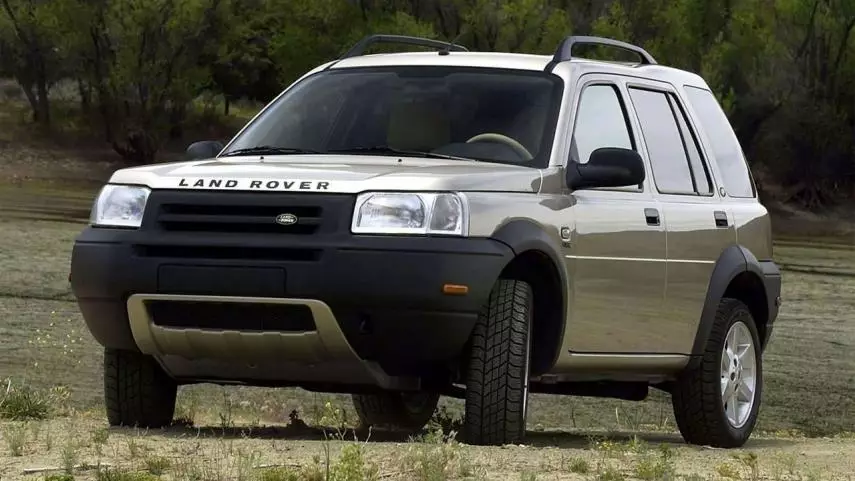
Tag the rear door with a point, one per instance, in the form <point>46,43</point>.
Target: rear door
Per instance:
<point>698,226</point>
<point>617,253</point>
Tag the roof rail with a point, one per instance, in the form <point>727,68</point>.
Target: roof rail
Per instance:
<point>370,40</point>
<point>565,49</point>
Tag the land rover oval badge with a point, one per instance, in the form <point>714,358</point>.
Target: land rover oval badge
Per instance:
<point>286,219</point>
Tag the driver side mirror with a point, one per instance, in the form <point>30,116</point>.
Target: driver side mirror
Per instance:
<point>204,149</point>
<point>607,167</point>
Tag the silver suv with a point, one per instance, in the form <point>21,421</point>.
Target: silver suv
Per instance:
<point>478,225</point>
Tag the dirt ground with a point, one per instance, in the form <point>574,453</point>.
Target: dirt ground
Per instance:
<point>237,453</point>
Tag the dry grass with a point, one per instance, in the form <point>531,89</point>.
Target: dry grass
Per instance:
<point>273,435</point>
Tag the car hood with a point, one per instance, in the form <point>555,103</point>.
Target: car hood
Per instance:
<point>333,173</point>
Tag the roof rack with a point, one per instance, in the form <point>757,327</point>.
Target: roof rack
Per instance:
<point>370,40</point>
<point>565,49</point>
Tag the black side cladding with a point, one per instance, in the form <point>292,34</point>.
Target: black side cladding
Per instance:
<point>733,261</point>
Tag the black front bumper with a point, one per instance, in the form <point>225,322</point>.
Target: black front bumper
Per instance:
<point>385,291</point>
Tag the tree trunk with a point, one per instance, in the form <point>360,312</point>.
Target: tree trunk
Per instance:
<point>44,101</point>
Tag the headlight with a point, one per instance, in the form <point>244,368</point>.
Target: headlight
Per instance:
<point>406,213</point>
<point>119,206</point>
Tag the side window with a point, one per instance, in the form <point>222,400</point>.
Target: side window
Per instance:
<point>703,184</point>
<point>600,122</point>
<point>736,178</point>
<point>668,156</point>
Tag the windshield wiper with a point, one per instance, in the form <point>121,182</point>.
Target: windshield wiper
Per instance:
<point>386,150</point>
<point>269,150</point>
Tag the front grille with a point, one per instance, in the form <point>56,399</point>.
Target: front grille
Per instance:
<point>218,212</point>
<point>231,316</point>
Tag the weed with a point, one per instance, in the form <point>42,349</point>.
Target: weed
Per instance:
<point>636,445</point>
<point>187,408</point>
<point>16,438</point>
<point>135,447</point>
<point>227,412</point>
<point>656,467</point>
<point>23,403</point>
<point>111,474</point>
<point>280,474</point>
<point>157,465</point>
<point>335,417</point>
<point>99,439</point>
<point>727,470</point>
<point>752,463</point>
<point>694,477</point>
<point>446,420</point>
<point>785,465</point>
<point>352,466</point>
<point>244,464</point>
<point>59,477</point>
<point>528,476</point>
<point>609,473</point>
<point>578,466</point>
<point>48,440</point>
<point>70,455</point>
<point>438,459</point>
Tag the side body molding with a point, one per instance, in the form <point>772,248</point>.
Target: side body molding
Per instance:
<point>524,236</point>
<point>733,261</point>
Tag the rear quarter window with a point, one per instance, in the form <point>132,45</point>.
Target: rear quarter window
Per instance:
<point>726,151</point>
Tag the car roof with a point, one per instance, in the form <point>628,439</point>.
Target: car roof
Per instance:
<point>519,61</point>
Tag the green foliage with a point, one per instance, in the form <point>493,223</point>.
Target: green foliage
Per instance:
<point>784,70</point>
<point>59,477</point>
<point>578,466</point>
<point>21,403</point>
<point>111,474</point>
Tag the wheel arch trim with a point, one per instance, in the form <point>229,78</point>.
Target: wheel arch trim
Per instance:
<point>525,236</point>
<point>734,261</point>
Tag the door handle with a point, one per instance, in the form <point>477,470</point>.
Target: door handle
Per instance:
<point>720,218</point>
<point>652,216</point>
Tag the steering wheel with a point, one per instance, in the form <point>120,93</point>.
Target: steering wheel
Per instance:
<point>503,139</point>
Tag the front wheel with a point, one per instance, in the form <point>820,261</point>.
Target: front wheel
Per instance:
<point>498,369</point>
<point>717,403</point>
<point>398,411</point>
<point>136,390</point>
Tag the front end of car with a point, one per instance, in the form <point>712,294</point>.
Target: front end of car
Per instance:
<point>375,288</point>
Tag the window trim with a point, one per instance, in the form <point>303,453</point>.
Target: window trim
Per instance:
<point>670,94</point>
<point>697,119</point>
<point>577,100</point>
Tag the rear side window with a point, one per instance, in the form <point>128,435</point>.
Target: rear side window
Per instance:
<point>666,143</point>
<point>726,150</point>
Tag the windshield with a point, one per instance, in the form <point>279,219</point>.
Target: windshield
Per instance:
<point>482,114</point>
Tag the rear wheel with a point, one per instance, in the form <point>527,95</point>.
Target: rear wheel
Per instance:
<point>498,370</point>
<point>717,403</point>
<point>136,390</point>
<point>397,411</point>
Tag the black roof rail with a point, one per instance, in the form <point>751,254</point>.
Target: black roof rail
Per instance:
<point>565,49</point>
<point>370,40</point>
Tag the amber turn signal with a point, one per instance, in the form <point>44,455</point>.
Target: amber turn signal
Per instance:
<point>455,289</point>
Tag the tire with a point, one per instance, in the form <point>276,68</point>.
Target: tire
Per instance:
<point>497,372</point>
<point>398,411</point>
<point>136,390</point>
<point>703,414</point>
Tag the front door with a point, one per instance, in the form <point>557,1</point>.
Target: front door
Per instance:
<point>617,250</point>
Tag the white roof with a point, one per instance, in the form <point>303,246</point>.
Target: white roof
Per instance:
<point>456,59</point>
<point>517,61</point>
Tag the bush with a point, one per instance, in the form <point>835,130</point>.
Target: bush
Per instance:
<point>23,403</point>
